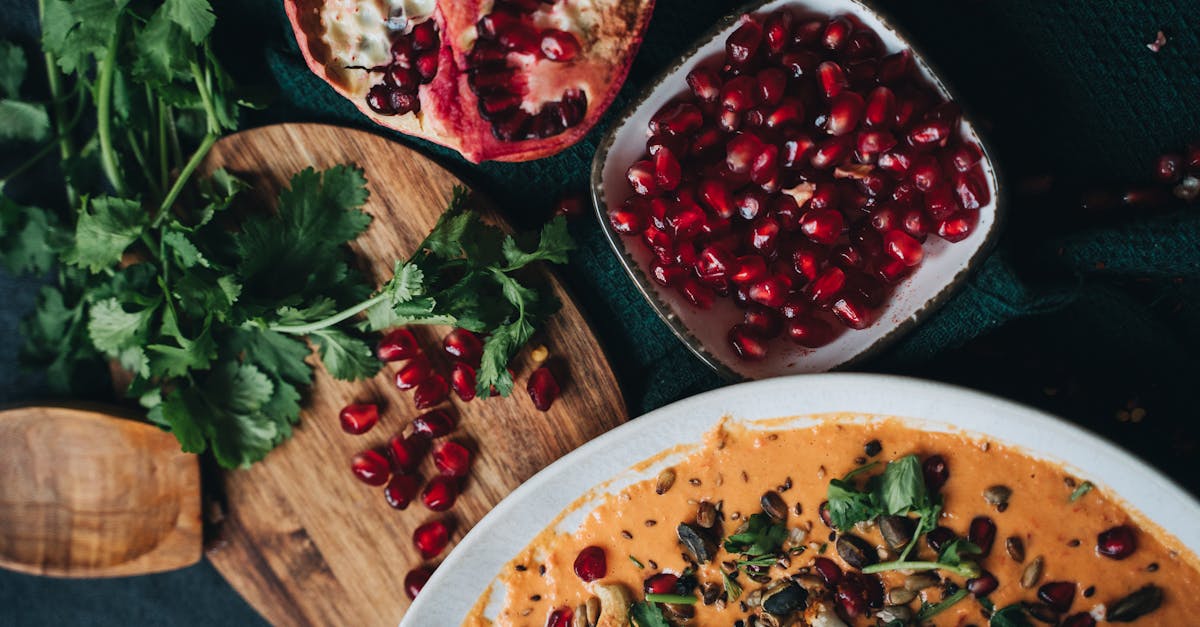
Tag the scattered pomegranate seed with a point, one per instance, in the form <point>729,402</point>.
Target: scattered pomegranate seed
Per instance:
<point>662,583</point>
<point>431,392</point>
<point>983,585</point>
<point>1168,168</point>
<point>1058,595</point>
<point>852,311</point>
<point>743,43</point>
<point>560,617</point>
<point>936,472</point>
<point>982,533</point>
<point>542,388</point>
<point>400,491</point>
<point>406,452</point>
<point>1118,542</point>
<point>747,343</point>
<point>464,346</point>
<point>903,247</point>
<point>358,418</point>
<point>705,84</point>
<point>570,206</point>
<point>371,467</point>
<point>415,580</point>
<point>414,373</point>
<point>591,564</point>
<point>558,45</point>
<point>434,424</point>
<point>431,538</point>
<point>463,380</point>
<point>397,345</point>
<point>452,459</point>
<point>939,538</point>
<point>852,597</point>
<point>440,493</point>
<point>829,571</point>
<point>810,332</point>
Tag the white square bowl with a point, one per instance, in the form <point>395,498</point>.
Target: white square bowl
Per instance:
<point>945,268</point>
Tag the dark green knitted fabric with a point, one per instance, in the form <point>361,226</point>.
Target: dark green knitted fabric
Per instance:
<point>1086,318</point>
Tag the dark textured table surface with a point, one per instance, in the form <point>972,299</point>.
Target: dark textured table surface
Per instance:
<point>1086,317</point>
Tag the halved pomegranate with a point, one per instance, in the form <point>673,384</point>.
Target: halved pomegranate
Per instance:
<point>504,80</point>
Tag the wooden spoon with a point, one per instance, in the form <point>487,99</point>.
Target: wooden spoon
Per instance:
<point>85,493</point>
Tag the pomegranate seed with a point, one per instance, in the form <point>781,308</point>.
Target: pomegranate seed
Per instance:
<point>957,227</point>
<point>777,31</point>
<point>827,285</point>
<point>896,161</point>
<point>1192,158</point>
<point>789,111</point>
<point>750,203</point>
<point>939,538</point>
<point>431,538</point>
<point>463,380</point>
<point>641,178</point>
<point>743,43</point>
<point>717,197</point>
<point>848,256</point>
<point>560,617</point>
<point>852,598</point>
<point>713,263</point>
<point>433,391</point>
<point>793,307</point>
<point>925,173</point>
<point>591,564</point>
<point>903,248</point>
<point>831,152</point>
<point>870,144</point>
<point>543,388</point>
<point>400,491</point>
<point>696,293</point>
<point>837,32</point>
<point>964,156</point>
<point>765,322</point>
<point>729,121</point>
<point>832,78</point>
<point>822,226</point>
<point>666,170</point>
<point>930,132</point>
<point>983,585</point>
<point>627,221</point>
<point>764,234</point>
<point>680,119</point>
<point>810,332</point>
<point>452,459</point>
<point>358,418</point>
<point>1082,619</point>
<point>772,82</point>
<point>434,424</point>
<point>917,224</point>
<point>397,345</point>
<point>705,84</point>
<point>885,217</point>
<point>806,261</point>
<point>414,373</point>
<point>982,533</point>
<point>800,63</point>
<point>746,343</point>
<point>749,269</point>
<point>740,94</point>
<point>415,580</point>
<point>569,206</point>
<point>936,472</point>
<point>440,493</point>
<point>741,151</point>
<point>829,571</point>
<point>1058,595</point>
<point>666,274</point>
<point>852,312</point>
<point>940,203</point>
<point>1118,542</point>
<point>406,452</point>
<point>371,467</point>
<point>972,190</point>
<point>463,345</point>
<point>662,583</point>
<point>770,292</point>
<point>559,45</point>
<point>705,140</point>
<point>765,168</point>
<point>863,44</point>
<point>895,68</point>
<point>845,112</point>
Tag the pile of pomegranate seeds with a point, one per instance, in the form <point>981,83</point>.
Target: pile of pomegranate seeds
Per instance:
<point>800,176</point>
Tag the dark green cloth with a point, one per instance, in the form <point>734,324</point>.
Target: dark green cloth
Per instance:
<point>1084,316</point>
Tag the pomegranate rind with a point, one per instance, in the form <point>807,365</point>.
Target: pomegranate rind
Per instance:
<point>449,113</point>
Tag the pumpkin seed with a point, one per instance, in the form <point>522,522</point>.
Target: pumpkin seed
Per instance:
<point>580,619</point>
<point>784,598</point>
<point>706,515</point>
<point>895,613</point>
<point>1141,602</point>
<point>919,581</point>
<point>896,530</point>
<point>709,592</point>
<point>696,541</point>
<point>665,480</point>
<point>856,551</point>
<point>593,610</point>
<point>1032,573</point>
<point>773,505</point>
<point>1016,548</point>
<point>680,611</point>
<point>900,596</point>
<point>997,495</point>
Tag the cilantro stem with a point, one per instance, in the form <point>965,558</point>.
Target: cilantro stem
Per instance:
<point>66,148</point>
<point>104,114</point>
<point>913,542</point>
<point>933,610</point>
<point>305,329</point>
<point>671,598</point>
<point>163,170</point>
<point>194,162</point>
<point>965,569</point>
<point>202,86</point>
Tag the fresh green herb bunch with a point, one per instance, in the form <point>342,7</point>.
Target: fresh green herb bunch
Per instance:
<point>210,309</point>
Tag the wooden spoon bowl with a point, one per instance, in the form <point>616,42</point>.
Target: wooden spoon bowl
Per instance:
<point>84,493</point>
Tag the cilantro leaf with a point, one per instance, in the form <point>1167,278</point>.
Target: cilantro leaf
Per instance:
<point>176,414</point>
<point>553,246</point>
<point>28,238</point>
<point>733,589</point>
<point>958,551</point>
<point>1010,616</point>
<point>74,30</point>
<point>195,17</point>
<point>902,486</point>
<point>114,329</point>
<point>12,69</point>
<point>106,226</point>
<point>848,505</point>
<point>346,357</point>
<point>23,121</point>
<point>761,536</point>
<point>646,614</point>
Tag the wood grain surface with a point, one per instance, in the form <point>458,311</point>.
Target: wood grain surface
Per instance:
<point>87,494</point>
<point>303,540</point>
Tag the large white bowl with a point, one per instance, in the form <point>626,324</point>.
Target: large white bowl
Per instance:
<point>945,267</point>
<point>507,529</point>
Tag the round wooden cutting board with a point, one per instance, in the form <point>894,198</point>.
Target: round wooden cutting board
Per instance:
<point>303,540</point>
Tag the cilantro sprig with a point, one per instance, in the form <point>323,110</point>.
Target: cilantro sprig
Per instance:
<point>211,312</point>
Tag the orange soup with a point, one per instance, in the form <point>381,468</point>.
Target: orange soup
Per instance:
<point>852,523</point>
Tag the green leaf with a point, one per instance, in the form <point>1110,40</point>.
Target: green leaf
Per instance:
<point>113,329</point>
<point>12,69</point>
<point>185,252</point>
<point>23,121</point>
<point>161,51</point>
<point>1010,616</point>
<point>179,416</point>
<point>902,486</point>
<point>239,431</point>
<point>275,353</point>
<point>958,551</point>
<point>201,295</point>
<point>105,228</point>
<point>848,505</point>
<point>29,238</point>
<point>1079,491</point>
<point>75,30</point>
<point>761,536</point>
<point>194,16</point>
<point>553,246</point>
<point>733,589</point>
<point>345,357</point>
<point>647,614</point>
<point>928,610</point>
<point>499,349</point>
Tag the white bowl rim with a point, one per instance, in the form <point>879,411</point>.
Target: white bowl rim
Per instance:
<point>476,561</point>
